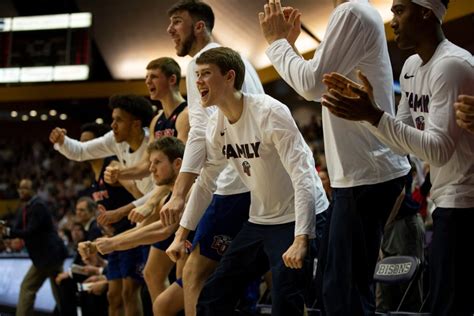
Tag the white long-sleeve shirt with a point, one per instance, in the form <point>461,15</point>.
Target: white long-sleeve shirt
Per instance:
<point>270,156</point>
<point>106,146</point>
<point>355,39</point>
<point>426,124</point>
<point>195,153</point>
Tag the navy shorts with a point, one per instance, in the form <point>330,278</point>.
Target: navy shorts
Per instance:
<point>221,222</point>
<point>128,263</point>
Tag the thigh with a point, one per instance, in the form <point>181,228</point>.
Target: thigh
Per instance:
<point>288,284</point>
<point>171,301</point>
<point>198,266</point>
<point>34,279</point>
<point>158,264</point>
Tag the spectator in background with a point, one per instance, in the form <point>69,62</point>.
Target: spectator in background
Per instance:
<point>45,247</point>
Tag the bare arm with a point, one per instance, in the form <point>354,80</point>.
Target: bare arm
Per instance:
<point>171,211</point>
<point>182,126</point>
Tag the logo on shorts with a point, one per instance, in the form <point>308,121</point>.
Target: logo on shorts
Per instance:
<point>246,166</point>
<point>221,243</point>
<point>420,123</point>
<point>188,246</point>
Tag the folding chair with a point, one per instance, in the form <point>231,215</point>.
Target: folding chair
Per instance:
<point>399,270</point>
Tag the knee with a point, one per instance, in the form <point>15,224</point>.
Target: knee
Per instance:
<point>130,292</point>
<point>160,306</point>
<point>193,274</point>
<point>114,298</point>
<point>148,275</point>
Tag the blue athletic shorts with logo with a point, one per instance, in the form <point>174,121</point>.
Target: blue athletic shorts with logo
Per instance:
<point>221,222</point>
<point>127,263</point>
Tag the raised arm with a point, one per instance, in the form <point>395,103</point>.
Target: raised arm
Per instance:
<point>72,149</point>
<point>341,49</point>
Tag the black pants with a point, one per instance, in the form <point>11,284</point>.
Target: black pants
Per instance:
<point>451,274</point>
<point>255,249</point>
<point>356,221</point>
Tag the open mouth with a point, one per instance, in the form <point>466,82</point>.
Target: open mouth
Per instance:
<point>204,92</point>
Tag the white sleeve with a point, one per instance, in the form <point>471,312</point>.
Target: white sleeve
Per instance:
<point>437,143</point>
<point>297,160</point>
<point>81,151</point>
<point>341,50</point>
<point>201,194</point>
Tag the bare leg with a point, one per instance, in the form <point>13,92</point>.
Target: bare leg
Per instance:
<point>131,297</point>
<point>114,296</point>
<point>195,273</point>
<point>170,302</point>
<point>157,269</point>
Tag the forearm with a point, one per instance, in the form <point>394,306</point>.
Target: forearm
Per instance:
<point>199,200</point>
<point>183,184</point>
<point>145,235</point>
<point>131,187</point>
<point>434,148</point>
<point>136,172</point>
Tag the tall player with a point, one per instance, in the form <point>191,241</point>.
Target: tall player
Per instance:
<point>425,126</point>
<point>365,174</point>
<point>191,24</point>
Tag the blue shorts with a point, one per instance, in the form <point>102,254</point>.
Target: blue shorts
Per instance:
<point>164,244</point>
<point>128,263</point>
<point>221,222</point>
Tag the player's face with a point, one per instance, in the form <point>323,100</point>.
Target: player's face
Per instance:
<point>86,136</point>
<point>122,124</point>
<point>162,168</point>
<point>82,213</point>
<point>181,29</point>
<point>405,23</point>
<point>157,84</point>
<point>210,83</point>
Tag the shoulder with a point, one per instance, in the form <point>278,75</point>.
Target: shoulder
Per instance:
<point>183,115</point>
<point>265,106</point>
<point>453,63</point>
<point>363,11</point>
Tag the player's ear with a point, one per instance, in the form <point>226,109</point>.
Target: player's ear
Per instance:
<point>230,76</point>
<point>177,164</point>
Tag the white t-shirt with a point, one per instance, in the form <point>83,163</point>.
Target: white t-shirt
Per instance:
<point>270,156</point>
<point>106,146</point>
<point>426,124</point>
<point>355,39</point>
<point>194,153</point>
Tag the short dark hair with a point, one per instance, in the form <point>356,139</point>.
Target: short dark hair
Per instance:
<point>91,204</point>
<point>198,10</point>
<point>226,59</point>
<point>168,66</point>
<point>172,147</point>
<point>97,129</point>
<point>137,106</point>
<point>35,183</point>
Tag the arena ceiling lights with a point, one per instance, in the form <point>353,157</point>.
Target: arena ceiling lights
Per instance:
<point>45,73</point>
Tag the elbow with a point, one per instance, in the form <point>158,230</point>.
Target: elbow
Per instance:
<point>442,158</point>
<point>440,161</point>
